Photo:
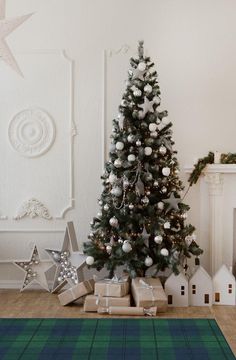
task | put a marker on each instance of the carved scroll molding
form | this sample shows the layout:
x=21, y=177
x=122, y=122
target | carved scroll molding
x=33, y=208
x=108, y=53
x=31, y=132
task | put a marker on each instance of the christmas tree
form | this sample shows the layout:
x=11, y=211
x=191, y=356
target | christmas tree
x=141, y=222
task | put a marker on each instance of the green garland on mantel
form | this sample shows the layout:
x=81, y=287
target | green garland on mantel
x=229, y=158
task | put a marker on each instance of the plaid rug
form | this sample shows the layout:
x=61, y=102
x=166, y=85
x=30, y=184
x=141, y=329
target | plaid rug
x=95, y=339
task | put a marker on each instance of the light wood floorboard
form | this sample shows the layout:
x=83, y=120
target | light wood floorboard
x=38, y=304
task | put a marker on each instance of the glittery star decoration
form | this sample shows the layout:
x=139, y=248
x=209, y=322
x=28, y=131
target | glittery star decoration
x=35, y=271
x=6, y=28
x=137, y=74
x=68, y=262
x=173, y=202
x=145, y=237
x=147, y=106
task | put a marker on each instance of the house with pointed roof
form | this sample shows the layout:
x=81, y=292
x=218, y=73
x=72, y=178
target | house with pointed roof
x=176, y=289
x=200, y=288
x=224, y=287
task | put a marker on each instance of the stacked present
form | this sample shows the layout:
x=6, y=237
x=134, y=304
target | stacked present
x=112, y=296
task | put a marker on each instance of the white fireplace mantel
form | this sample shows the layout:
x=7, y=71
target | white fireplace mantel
x=219, y=182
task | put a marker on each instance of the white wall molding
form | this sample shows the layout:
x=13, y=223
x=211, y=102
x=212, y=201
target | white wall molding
x=33, y=208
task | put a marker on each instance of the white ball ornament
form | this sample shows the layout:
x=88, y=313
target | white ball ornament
x=165, y=121
x=148, y=151
x=131, y=206
x=167, y=225
x=131, y=158
x=116, y=191
x=138, y=143
x=148, y=88
x=154, y=134
x=162, y=150
x=164, y=252
x=112, y=178
x=137, y=92
x=131, y=138
x=114, y=222
x=148, y=261
x=118, y=163
x=160, y=205
x=158, y=239
x=89, y=260
x=108, y=249
x=142, y=66
x=152, y=127
x=166, y=171
x=106, y=207
x=119, y=145
x=126, y=247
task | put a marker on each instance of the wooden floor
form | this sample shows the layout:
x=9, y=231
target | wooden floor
x=39, y=304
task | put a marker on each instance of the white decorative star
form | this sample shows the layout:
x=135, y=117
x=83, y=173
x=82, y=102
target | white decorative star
x=147, y=106
x=145, y=236
x=173, y=202
x=137, y=74
x=72, y=255
x=35, y=271
x=6, y=28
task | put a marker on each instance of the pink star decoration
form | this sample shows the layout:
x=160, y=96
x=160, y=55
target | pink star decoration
x=6, y=28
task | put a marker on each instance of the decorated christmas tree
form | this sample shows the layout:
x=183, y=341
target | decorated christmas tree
x=142, y=218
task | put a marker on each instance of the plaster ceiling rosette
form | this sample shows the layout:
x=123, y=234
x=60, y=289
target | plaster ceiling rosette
x=31, y=132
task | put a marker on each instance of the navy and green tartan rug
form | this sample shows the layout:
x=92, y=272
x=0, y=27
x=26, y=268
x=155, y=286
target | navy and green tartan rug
x=116, y=339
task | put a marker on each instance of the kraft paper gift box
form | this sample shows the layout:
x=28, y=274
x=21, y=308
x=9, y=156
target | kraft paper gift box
x=148, y=292
x=76, y=292
x=92, y=302
x=127, y=310
x=112, y=287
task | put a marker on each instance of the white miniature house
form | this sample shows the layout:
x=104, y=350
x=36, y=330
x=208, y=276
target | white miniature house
x=224, y=287
x=176, y=289
x=200, y=288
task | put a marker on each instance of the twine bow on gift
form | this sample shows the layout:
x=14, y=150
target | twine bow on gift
x=150, y=311
x=145, y=285
x=99, y=298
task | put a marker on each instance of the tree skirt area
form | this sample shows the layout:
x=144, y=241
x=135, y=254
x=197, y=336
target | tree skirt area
x=114, y=339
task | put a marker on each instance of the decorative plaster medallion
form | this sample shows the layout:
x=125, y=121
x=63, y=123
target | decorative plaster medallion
x=31, y=132
x=33, y=208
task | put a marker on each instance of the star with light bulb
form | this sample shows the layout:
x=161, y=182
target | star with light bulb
x=35, y=271
x=173, y=202
x=69, y=261
x=7, y=26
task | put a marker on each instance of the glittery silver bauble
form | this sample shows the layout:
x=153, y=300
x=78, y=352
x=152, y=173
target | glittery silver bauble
x=154, y=134
x=116, y=191
x=126, y=247
x=158, y=239
x=162, y=150
x=137, y=92
x=148, y=151
x=106, y=207
x=164, y=252
x=131, y=158
x=89, y=260
x=160, y=205
x=117, y=163
x=119, y=145
x=142, y=66
x=148, y=261
x=163, y=190
x=166, y=171
x=152, y=127
x=114, y=222
x=145, y=200
x=138, y=143
x=148, y=88
x=131, y=138
x=167, y=225
x=131, y=206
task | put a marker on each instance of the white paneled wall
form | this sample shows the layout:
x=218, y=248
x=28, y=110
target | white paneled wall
x=193, y=44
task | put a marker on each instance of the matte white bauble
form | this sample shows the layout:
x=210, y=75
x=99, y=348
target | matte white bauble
x=166, y=171
x=131, y=206
x=141, y=66
x=131, y=138
x=90, y=260
x=154, y=134
x=165, y=121
x=162, y=150
x=114, y=222
x=112, y=178
x=119, y=145
x=160, y=205
x=108, y=249
x=148, y=261
x=117, y=163
x=152, y=127
x=126, y=247
x=116, y=191
x=167, y=225
x=148, y=88
x=158, y=239
x=138, y=143
x=164, y=252
x=148, y=151
x=131, y=157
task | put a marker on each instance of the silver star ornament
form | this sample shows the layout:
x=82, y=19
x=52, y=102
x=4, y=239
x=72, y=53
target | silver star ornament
x=173, y=202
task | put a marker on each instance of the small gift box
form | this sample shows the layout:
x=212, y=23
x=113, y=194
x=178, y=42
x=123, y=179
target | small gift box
x=114, y=287
x=148, y=292
x=92, y=302
x=127, y=310
x=76, y=292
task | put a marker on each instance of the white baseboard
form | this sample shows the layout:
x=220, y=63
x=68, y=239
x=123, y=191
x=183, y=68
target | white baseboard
x=17, y=284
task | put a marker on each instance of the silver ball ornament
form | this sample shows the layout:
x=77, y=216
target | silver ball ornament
x=131, y=158
x=106, y=207
x=148, y=151
x=152, y=127
x=116, y=191
x=154, y=134
x=167, y=225
x=118, y=163
x=114, y=222
x=137, y=92
x=131, y=138
x=131, y=206
x=108, y=249
x=166, y=171
x=126, y=247
x=142, y=66
x=148, y=261
x=158, y=239
x=119, y=145
x=138, y=143
x=162, y=150
x=164, y=252
x=160, y=205
x=89, y=260
x=148, y=88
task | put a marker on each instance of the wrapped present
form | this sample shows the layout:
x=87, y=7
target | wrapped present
x=114, y=287
x=92, y=302
x=76, y=292
x=148, y=292
x=127, y=310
